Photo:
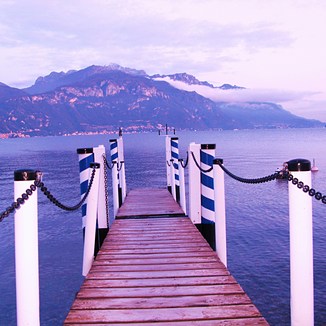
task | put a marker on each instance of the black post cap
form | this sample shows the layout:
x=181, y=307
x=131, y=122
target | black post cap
x=218, y=161
x=299, y=164
x=208, y=146
x=25, y=175
x=84, y=150
x=174, y=138
x=113, y=140
x=94, y=165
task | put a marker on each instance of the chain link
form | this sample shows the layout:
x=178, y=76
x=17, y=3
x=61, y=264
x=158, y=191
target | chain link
x=268, y=178
x=121, y=164
x=39, y=184
x=306, y=189
x=106, y=189
x=107, y=163
x=19, y=201
x=198, y=166
x=56, y=202
x=184, y=165
x=285, y=174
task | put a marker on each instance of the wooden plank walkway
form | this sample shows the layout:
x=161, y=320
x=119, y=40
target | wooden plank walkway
x=149, y=202
x=160, y=271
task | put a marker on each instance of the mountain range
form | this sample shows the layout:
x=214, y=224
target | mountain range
x=105, y=98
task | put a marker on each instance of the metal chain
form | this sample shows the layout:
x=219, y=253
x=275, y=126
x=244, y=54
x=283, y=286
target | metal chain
x=306, y=189
x=286, y=175
x=107, y=163
x=168, y=164
x=250, y=181
x=119, y=168
x=106, y=189
x=184, y=165
x=19, y=201
x=198, y=166
x=39, y=184
x=56, y=202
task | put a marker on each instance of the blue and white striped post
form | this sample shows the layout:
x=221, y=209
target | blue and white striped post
x=301, y=246
x=116, y=191
x=220, y=219
x=91, y=221
x=194, y=184
x=207, y=155
x=102, y=208
x=175, y=162
x=85, y=157
x=26, y=252
x=168, y=162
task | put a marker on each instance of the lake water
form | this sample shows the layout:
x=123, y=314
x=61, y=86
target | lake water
x=257, y=215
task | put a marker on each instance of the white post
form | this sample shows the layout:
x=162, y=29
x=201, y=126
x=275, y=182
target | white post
x=194, y=184
x=26, y=252
x=182, y=186
x=301, y=246
x=115, y=188
x=172, y=172
x=91, y=214
x=122, y=172
x=103, y=207
x=220, y=220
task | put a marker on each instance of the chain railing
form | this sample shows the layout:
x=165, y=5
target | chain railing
x=198, y=165
x=267, y=178
x=39, y=184
x=276, y=175
x=306, y=189
x=107, y=163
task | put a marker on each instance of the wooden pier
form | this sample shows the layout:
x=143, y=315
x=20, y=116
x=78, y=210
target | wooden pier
x=155, y=268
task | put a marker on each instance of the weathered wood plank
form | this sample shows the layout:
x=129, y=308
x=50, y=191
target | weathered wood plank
x=124, y=251
x=149, y=202
x=193, y=245
x=258, y=321
x=100, y=273
x=164, y=281
x=163, y=314
x=160, y=302
x=141, y=255
x=153, y=261
x=102, y=266
x=154, y=291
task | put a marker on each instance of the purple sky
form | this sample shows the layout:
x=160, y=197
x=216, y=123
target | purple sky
x=276, y=49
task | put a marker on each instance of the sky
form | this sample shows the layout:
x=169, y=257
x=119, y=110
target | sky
x=276, y=49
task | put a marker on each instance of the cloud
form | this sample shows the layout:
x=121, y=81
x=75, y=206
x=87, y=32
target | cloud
x=309, y=104
x=240, y=95
x=171, y=37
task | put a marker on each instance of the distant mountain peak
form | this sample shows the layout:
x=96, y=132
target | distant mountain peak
x=229, y=86
x=58, y=79
x=185, y=78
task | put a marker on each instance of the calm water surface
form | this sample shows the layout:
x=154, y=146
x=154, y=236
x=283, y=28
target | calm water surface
x=257, y=215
